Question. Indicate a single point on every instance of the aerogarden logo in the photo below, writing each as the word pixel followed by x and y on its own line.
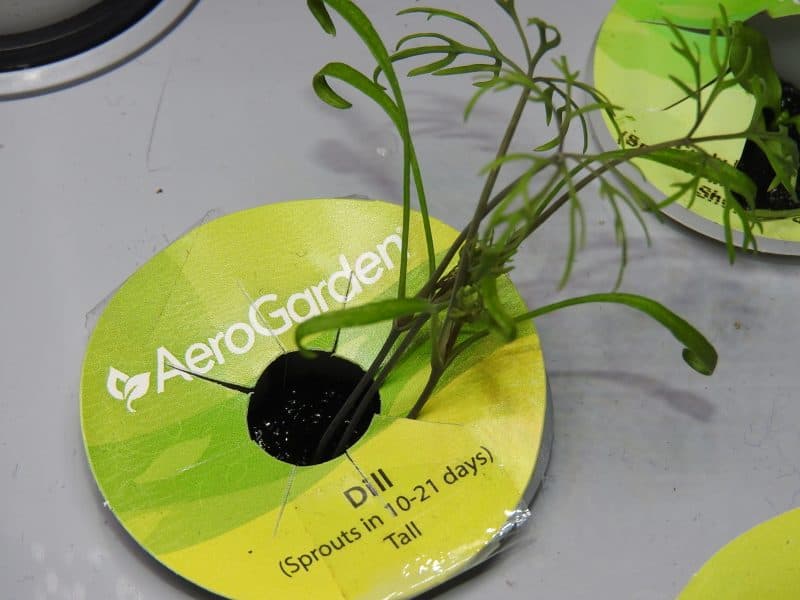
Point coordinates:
pixel 268 315
pixel 133 387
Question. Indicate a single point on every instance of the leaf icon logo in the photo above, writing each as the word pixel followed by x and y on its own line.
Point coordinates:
pixel 133 387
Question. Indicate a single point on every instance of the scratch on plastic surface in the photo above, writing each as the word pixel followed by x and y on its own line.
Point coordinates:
pixel 362 474
pixel 323 561
pixel 178 276
pixel 155 120
pixel 285 500
pixel 436 422
pixel 264 324
pixel 214 458
pixel 768 429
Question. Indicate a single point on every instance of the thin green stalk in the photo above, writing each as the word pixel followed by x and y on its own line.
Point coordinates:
pixel 526 47
pixel 427 391
pixel 364 401
pixel 625 156
pixel 395 333
pixel 551 209
pixel 348 405
pixel 459 241
pixel 423 209
pixel 480 209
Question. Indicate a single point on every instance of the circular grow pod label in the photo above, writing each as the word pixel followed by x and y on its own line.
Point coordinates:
pixel 633 65
pixel 762 563
pixel 193 353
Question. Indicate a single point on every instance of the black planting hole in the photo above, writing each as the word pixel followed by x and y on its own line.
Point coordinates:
pixel 296 399
pixel 755 163
pixel 784 45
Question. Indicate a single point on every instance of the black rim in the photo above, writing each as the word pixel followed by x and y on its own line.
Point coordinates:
pixel 71 36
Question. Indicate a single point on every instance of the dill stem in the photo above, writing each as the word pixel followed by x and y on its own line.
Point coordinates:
pixel 349 404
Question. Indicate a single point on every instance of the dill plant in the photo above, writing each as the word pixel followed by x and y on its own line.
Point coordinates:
pixel 459 304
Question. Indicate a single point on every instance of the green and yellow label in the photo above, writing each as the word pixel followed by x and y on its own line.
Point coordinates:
pixel 411 504
pixel 633 64
pixel 763 563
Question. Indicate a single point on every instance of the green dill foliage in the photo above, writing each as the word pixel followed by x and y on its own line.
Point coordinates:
pixel 741 57
pixel 460 304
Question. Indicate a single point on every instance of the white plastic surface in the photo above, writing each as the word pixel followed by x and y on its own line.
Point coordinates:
pixel 653 467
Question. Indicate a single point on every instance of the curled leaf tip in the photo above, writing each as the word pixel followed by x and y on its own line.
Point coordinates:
pixel 325 93
pixel 703 366
pixel 698 352
pixel 317 8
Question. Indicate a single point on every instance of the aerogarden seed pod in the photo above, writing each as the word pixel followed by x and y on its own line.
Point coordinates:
pixel 633 63
pixel 760 563
pixel 192 366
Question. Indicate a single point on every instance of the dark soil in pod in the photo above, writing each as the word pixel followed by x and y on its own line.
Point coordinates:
pixel 755 164
pixel 296 399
